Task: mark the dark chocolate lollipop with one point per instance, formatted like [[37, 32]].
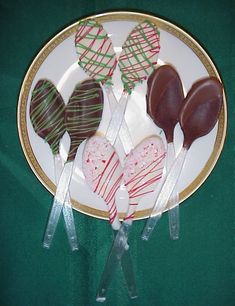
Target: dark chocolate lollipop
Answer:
[[83, 113], [82, 118], [47, 113], [165, 98], [201, 110], [198, 117]]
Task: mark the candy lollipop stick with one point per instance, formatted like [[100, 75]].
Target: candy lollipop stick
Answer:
[[198, 117], [82, 117], [97, 58], [103, 173], [47, 117], [137, 60], [165, 100]]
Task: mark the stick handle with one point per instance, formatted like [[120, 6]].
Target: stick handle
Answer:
[[119, 251], [165, 193], [67, 208], [173, 213], [58, 203], [117, 119]]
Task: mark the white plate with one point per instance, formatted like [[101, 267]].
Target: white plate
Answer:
[[57, 61]]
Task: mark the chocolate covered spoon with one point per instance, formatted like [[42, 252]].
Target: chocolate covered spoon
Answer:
[[137, 60], [165, 98], [198, 117], [98, 59], [47, 117], [82, 117], [47, 113]]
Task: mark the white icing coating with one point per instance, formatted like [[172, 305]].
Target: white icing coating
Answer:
[[143, 170], [103, 171]]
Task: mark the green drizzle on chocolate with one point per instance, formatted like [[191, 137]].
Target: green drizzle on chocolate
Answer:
[[47, 113], [83, 113]]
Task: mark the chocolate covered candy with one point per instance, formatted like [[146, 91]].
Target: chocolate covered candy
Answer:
[[201, 110], [83, 113], [47, 113], [165, 99]]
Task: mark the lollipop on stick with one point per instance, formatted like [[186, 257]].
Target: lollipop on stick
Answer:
[[47, 117], [82, 117], [165, 99], [198, 117], [142, 171], [97, 58], [103, 173], [137, 60]]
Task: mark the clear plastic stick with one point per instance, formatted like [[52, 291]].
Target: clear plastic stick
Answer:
[[67, 208], [117, 119], [165, 193], [174, 220], [118, 251], [69, 223], [115, 259], [124, 133], [58, 203], [173, 213]]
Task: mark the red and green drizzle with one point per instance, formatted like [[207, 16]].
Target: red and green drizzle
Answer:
[[95, 50], [139, 55]]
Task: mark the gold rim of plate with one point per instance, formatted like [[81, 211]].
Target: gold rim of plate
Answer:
[[108, 17]]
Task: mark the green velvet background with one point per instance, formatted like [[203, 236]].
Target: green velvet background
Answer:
[[198, 269]]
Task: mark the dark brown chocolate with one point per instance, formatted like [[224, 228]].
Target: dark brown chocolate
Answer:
[[201, 109], [165, 99], [83, 113], [47, 113]]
